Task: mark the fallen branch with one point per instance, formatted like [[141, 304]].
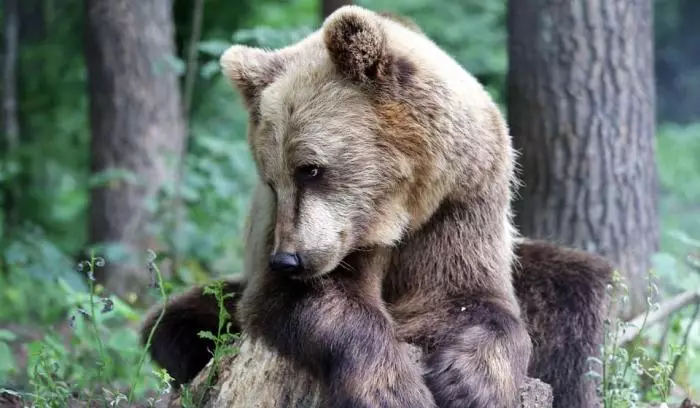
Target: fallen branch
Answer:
[[258, 377], [667, 308]]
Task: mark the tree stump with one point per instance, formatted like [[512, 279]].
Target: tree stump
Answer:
[[258, 377]]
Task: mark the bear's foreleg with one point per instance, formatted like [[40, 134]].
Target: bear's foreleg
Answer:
[[479, 357], [176, 345], [341, 334]]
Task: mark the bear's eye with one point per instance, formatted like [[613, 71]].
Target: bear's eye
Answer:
[[304, 174]]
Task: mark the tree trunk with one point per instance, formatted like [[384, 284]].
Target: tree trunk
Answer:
[[259, 377], [329, 6], [581, 108], [678, 60], [137, 125], [10, 119], [32, 16]]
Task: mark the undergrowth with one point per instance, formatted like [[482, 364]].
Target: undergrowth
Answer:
[[93, 357], [635, 373], [64, 346], [96, 357]]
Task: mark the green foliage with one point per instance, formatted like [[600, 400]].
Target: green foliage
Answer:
[[629, 374], [680, 273], [215, 190], [86, 351], [163, 377], [223, 342], [7, 360], [678, 149], [90, 350], [471, 31], [222, 339], [33, 265], [219, 171], [54, 154]]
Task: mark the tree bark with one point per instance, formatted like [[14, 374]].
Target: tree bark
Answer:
[[678, 60], [329, 6], [259, 377], [581, 107], [10, 118], [136, 122], [32, 16]]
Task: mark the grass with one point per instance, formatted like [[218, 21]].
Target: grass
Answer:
[[93, 356], [153, 268]]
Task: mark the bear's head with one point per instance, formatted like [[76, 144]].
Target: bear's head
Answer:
[[361, 131]]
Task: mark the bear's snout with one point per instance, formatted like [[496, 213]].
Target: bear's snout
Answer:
[[286, 262]]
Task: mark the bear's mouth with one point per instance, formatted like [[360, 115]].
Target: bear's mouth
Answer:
[[310, 272]]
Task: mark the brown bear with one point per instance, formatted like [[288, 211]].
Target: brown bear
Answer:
[[382, 216]]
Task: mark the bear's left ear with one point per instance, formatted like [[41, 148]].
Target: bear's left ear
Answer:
[[356, 43], [250, 70]]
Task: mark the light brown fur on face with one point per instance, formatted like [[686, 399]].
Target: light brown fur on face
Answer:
[[324, 221], [391, 153]]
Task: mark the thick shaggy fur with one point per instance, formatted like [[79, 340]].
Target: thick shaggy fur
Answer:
[[388, 169], [561, 292], [563, 297]]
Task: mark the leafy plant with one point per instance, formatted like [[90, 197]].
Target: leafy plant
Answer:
[[628, 374], [56, 342], [7, 360]]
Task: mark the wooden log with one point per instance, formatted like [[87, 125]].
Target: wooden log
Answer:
[[258, 377]]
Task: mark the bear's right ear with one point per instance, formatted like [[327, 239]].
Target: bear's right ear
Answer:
[[356, 43], [250, 70]]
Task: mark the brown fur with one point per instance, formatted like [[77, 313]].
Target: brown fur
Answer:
[[412, 210], [429, 165], [561, 292], [563, 296], [340, 330], [176, 345]]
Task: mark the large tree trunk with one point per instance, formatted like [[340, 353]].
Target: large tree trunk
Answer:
[[10, 118], [329, 6], [32, 16], [581, 108], [259, 377], [678, 60], [137, 124]]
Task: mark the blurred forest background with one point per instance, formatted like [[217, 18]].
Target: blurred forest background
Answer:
[[119, 135]]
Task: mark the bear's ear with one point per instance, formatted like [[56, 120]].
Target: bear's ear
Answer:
[[356, 43], [250, 70]]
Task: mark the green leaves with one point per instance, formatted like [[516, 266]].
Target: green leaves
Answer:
[[7, 360], [471, 31], [213, 48], [268, 37], [112, 177]]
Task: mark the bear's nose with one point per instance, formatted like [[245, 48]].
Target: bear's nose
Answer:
[[285, 262]]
